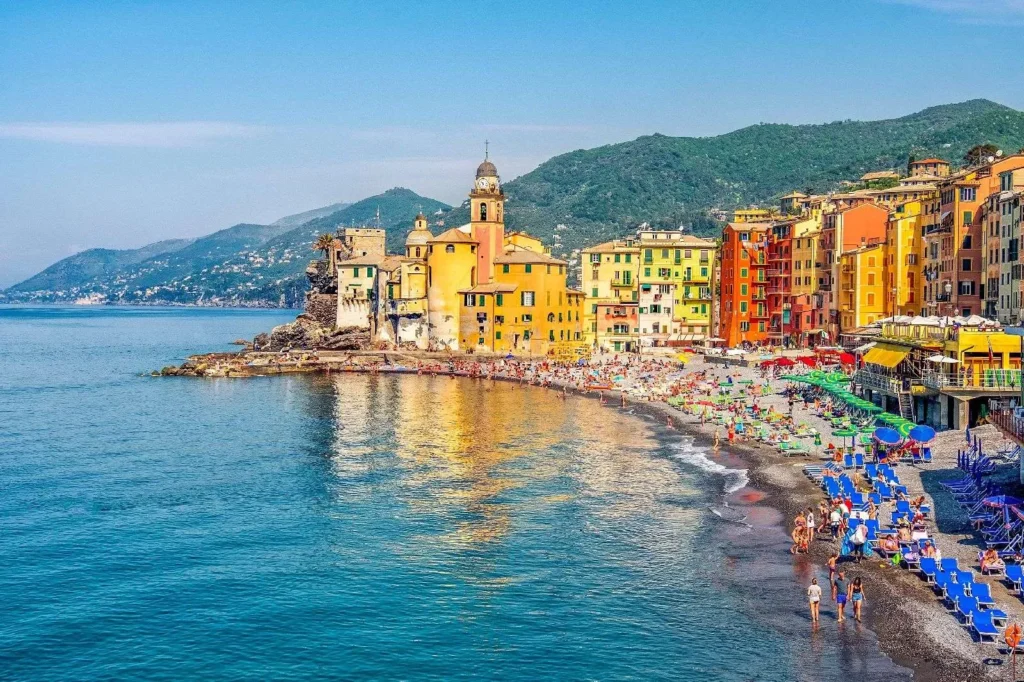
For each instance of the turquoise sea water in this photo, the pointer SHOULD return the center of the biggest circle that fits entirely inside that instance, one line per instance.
(364, 527)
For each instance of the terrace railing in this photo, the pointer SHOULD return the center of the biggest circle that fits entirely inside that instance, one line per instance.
(977, 380)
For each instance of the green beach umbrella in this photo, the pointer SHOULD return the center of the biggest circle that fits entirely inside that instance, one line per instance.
(904, 428)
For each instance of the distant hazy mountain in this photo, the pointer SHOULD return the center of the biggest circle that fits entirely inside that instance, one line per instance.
(306, 216)
(601, 193)
(245, 265)
(92, 264)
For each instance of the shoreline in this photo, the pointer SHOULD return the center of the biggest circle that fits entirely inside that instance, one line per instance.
(899, 600)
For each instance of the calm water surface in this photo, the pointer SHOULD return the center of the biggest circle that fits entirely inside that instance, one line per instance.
(358, 527)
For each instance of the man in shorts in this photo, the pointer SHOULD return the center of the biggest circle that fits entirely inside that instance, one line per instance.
(841, 589)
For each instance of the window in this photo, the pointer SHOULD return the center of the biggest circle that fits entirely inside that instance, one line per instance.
(618, 258)
(481, 301)
(965, 265)
(871, 299)
(664, 253)
(871, 280)
(743, 290)
(450, 248)
(499, 319)
(744, 326)
(648, 255)
(968, 217)
(528, 318)
(629, 257)
(529, 268)
(417, 252)
(743, 273)
(743, 306)
(526, 299)
(594, 258)
(703, 273)
(497, 336)
(593, 292)
(470, 299)
(760, 326)
(647, 272)
(551, 317)
(483, 211)
(968, 194)
(504, 269)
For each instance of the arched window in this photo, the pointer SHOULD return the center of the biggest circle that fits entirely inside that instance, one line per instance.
(417, 252)
(450, 248)
(483, 211)
(551, 317)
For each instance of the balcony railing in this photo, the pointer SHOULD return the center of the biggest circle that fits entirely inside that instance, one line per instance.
(980, 380)
(877, 382)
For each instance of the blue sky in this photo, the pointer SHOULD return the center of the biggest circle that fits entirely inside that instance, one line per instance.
(124, 123)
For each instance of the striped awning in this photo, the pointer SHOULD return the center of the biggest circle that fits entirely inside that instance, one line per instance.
(886, 355)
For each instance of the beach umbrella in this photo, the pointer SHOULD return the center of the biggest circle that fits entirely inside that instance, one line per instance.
(844, 433)
(922, 434)
(887, 436)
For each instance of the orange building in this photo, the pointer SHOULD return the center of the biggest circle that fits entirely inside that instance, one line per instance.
(845, 229)
(744, 281)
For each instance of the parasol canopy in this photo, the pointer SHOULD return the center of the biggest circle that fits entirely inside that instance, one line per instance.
(922, 434)
(887, 436)
(1002, 501)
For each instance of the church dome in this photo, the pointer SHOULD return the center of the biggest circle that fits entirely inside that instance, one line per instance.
(418, 238)
(486, 170)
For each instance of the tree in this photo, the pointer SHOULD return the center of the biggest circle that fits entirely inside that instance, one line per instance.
(324, 243)
(979, 153)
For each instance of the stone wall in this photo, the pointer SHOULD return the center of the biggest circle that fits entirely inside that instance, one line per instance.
(323, 308)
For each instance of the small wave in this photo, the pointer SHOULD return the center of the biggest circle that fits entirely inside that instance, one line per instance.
(735, 478)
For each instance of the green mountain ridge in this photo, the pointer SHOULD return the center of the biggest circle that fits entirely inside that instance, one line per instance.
(603, 193)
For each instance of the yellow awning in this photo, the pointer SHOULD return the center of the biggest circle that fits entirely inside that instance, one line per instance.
(886, 355)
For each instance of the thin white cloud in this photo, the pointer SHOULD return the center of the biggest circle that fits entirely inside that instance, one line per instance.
(176, 134)
(973, 11)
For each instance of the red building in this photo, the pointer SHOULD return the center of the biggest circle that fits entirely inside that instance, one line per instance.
(780, 271)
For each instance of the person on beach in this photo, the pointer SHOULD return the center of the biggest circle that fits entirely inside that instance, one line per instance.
(810, 524)
(814, 597)
(832, 564)
(840, 588)
(857, 596)
(718, 438)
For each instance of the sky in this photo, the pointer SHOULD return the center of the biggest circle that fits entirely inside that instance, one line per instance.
(126, 123)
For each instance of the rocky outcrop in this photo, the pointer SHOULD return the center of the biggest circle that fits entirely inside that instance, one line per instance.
(307, 333)
(323, 308)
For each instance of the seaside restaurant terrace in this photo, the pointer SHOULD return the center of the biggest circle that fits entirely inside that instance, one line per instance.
(948, 372)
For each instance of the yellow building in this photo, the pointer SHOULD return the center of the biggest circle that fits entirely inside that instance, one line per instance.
(527, 308)
(451, 268)
(675, 297)
(610, 274)
(904, 259)
(751, 215)
(806, 263)
(861, 286)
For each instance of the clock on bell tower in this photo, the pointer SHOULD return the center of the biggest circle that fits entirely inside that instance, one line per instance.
(487, 218)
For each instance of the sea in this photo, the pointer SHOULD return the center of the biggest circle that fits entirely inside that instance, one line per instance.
(358, 527)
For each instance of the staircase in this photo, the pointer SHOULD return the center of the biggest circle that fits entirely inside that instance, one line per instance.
(906, 405)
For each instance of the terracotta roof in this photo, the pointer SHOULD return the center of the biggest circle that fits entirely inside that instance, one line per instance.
(454, 235)
(879, 175)
(795, 195)
(527, 256)
(363, 260)
(930, 160)
(614, 246)
(490, 288)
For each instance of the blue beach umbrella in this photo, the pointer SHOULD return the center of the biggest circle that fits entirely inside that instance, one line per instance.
(887, 436)
(922, 434)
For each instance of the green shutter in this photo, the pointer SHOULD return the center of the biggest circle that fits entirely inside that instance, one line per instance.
(504, 268)
(529, 268)
(499, 300)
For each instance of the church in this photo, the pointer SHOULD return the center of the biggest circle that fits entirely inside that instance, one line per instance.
(469, 288)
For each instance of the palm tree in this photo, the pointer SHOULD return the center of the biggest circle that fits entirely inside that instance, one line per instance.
(324, 243)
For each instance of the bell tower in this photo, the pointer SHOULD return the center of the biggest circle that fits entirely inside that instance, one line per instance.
(487, 217)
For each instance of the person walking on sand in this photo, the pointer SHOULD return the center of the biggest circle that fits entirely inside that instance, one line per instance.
(718, 438)
(857, 597)
(814, 597)
(840, 589)
(832, 562)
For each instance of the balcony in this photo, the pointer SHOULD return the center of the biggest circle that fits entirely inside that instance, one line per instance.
(623, 283)
(1008, 380)
(878, 382)
(759, 314)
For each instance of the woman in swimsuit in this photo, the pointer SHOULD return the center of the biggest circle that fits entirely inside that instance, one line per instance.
(857, 596)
